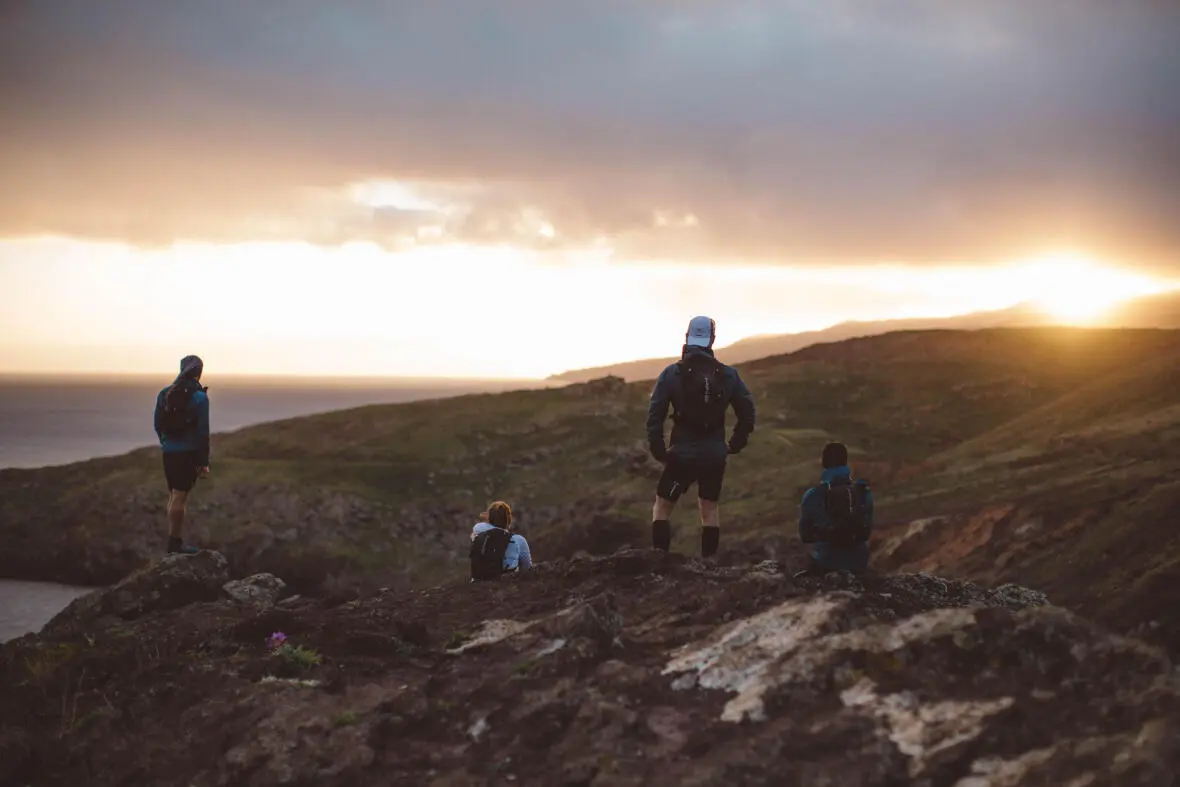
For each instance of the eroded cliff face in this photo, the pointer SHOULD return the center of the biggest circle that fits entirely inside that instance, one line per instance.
(636, 668)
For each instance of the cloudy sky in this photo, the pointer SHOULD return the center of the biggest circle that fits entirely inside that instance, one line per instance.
(514, 188)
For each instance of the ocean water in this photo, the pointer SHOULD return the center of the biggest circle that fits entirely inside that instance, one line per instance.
(58, 420)
(27, 606)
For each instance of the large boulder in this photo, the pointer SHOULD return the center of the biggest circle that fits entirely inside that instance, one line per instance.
(171, 582)
(259, 590)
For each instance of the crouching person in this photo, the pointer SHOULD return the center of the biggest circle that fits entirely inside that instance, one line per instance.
(495, 548)
(837, 517)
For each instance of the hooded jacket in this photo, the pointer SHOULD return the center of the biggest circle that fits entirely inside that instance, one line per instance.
(196, 437)
(813, 521)
(685, 437)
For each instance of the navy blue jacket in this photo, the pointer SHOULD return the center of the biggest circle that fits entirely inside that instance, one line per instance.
(196, 439)
(813, 521)
(685, 438)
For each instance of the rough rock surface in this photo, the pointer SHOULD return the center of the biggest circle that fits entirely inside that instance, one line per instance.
(171, 582)
(633, 669)
(261, 590)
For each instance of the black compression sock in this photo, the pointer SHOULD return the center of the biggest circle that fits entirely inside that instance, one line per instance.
(661, 535)
(710, 539)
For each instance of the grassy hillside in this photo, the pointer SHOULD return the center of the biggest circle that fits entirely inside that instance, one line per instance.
(944, 423)
(1079, 497)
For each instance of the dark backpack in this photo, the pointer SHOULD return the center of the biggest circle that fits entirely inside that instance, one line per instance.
(702, 402)
(844, 507)
(176, 420)
(487, 553)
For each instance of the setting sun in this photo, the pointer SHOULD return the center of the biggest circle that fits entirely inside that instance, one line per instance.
(1073, 288)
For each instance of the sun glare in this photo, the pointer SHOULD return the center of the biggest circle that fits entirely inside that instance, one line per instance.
(1076, 289)
(359, 309)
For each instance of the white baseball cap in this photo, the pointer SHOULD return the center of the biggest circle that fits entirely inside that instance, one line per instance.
(701, 332)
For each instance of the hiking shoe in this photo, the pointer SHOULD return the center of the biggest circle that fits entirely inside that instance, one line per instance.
(178, 547)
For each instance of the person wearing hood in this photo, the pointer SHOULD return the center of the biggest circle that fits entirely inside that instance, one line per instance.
(700, 390)
(182, 427)
(836, 517)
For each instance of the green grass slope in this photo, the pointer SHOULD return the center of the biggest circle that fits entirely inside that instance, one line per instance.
(946, 424)
(1079, 497)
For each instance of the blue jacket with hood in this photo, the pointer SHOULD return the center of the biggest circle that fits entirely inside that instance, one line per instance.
(196, 437)
(813, 521)
(685, 439)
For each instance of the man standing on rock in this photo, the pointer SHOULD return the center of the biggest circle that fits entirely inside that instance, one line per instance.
(182, 427)
(700, 390)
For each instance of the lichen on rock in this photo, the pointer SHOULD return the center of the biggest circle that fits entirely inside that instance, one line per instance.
(726, 675)
(259, 590)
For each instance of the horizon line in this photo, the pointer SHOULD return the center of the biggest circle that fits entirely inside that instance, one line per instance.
(269, 376)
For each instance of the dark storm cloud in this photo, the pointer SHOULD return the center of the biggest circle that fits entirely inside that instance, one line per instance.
(795, 131)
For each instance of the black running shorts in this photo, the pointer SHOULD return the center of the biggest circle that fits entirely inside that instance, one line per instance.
(181, 470)
(707, 472)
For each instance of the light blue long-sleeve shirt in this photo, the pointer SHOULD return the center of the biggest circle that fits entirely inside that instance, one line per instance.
(516, 554)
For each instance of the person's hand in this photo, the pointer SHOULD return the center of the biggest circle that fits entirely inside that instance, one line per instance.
(736, 446)
(659, 451)
(203, 472)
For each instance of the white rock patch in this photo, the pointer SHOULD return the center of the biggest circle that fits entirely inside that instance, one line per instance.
(551, 647)
(788, 645)
(997, 772)
(494, 631)
(921, 731)
(738, 656)
(477, 730)
(784, 645)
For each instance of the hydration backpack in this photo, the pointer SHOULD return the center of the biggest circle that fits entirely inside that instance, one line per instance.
(702, 388)
(487, 553)
(844, 506)
(175, 418)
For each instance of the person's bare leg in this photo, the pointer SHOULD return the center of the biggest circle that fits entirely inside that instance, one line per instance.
(177, 503)
(710, 526)
(661, 528)
(710, 513)
(662, 509)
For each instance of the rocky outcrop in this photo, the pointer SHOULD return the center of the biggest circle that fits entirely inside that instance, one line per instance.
(633, 669)
(259, 590)
(169, 583)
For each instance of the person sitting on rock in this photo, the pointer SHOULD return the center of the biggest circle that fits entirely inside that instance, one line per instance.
(837, 517)
(495, 549)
